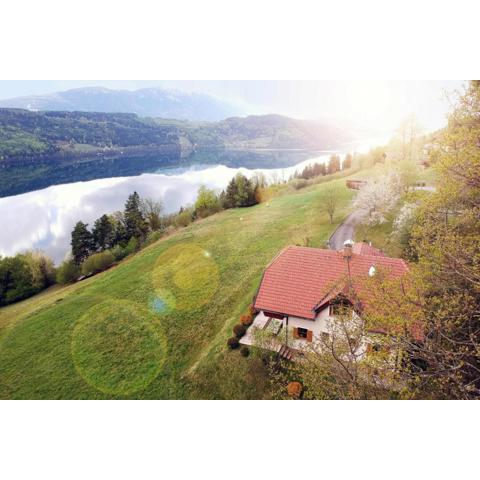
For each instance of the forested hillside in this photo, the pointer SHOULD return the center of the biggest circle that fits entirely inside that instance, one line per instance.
(265, 131)
(31, 137)
(26, 135)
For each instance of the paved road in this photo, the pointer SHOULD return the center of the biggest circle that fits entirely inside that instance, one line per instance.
(346, 230)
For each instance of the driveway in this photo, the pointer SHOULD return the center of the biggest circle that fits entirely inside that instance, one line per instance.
(346, 230)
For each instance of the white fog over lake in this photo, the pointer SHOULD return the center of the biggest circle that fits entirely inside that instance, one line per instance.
(44, 219)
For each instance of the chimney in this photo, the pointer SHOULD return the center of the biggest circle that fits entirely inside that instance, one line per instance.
(347, 249)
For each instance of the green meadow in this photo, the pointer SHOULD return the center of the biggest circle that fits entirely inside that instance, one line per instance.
(156, 325)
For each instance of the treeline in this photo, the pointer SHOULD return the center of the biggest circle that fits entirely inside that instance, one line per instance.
(333, 165)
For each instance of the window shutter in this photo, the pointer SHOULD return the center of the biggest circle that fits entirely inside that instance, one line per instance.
(295, 332)
(309, 335)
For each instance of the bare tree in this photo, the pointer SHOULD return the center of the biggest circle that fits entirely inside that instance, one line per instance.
(330, 199)
(152, 211)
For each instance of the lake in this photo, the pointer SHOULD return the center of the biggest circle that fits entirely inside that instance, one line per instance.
(43, 219)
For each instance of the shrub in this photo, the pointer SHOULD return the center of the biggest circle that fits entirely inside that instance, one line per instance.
(251, 309)
(294, 389)
(246, 319)
(118, 252)
(97, 262)
(300, 183)
(239, 330)
(244, 351)
(67, 272)
(183, 219)
(207, 202)
(132, 246)
(153, 237)
(233, 343)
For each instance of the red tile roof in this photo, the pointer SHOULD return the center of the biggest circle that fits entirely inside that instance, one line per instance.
(299, 278)
(363, 248)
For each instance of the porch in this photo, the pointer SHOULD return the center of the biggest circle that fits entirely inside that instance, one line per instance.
(276, 326)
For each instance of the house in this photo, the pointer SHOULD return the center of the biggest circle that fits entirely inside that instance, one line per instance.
(302, 288)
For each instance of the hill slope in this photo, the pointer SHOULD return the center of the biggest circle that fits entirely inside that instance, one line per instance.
(146, 102)
(156, 325)
(268, 131)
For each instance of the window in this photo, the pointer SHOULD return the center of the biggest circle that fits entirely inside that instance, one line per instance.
(302, 332)
(325, 337)
(334, 310)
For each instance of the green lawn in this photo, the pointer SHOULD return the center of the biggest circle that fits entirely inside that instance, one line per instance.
(156, 325)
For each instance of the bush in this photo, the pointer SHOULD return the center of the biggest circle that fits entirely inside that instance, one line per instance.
(300, 183)
(67, 272)
(233, 343)
(246, 319)
(97, 262)
(118, 252)
(239, 330)
(251, 309)
(244, 351)
(153, 237)
(183, 219)
(294, 389)
(132, 246)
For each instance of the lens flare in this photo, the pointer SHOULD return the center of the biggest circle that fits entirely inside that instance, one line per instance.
(185, 277)
(118, 348)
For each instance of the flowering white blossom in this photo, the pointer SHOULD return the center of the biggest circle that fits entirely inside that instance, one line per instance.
(403, 222)
(379, 197)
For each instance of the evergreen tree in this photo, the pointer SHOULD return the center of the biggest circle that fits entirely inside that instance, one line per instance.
(135, 224)
(82, 242)
(231, 194)
(103, 233)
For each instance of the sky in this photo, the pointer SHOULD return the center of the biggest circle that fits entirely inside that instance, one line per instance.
(376, 104)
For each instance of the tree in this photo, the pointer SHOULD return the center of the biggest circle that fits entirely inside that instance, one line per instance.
(329, 200)
(333, 164)
(103, 233)
(408, 174)
(15, 279)
(336, 365)
(67, 272)
(231, 193)
(119, 231)
(41, 269)
(240, 192)
(135, 224)
(347, 161)
(207, 202)
(152, 212)
(408, 136)
(82, 242)
(443, 287)
(379, 197)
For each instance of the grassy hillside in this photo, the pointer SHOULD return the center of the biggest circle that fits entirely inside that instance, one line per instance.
(156, 325)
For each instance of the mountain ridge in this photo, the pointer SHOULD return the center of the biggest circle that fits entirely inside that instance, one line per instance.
(145, 102)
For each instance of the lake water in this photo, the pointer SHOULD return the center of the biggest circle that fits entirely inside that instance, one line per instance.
(43, 219)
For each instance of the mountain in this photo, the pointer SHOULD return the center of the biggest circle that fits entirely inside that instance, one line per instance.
(146, 102)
